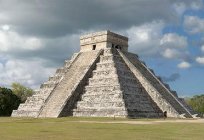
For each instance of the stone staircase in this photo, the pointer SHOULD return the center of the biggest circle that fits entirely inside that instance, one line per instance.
(68, 90)
(158, 91)
(114, 91)
(34, 103)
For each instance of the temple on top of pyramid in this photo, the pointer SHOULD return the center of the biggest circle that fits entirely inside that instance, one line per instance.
(103, 40)
(104, 80)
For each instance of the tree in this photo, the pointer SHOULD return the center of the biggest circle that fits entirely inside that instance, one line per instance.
(21, 91)
(8, 101)
(197, 103)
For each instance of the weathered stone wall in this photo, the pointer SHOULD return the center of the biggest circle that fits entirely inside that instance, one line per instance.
(102, 40)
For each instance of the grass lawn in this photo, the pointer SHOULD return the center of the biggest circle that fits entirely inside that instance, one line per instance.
(71, 128)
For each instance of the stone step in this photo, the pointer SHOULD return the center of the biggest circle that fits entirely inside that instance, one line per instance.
(24, 113)
(129, 103)
(44, 91)
(105, 113)
(118, 93)
(51, 82)
(61, 70)
(108, 65)
(59, 74)
(122, 83)
(30, 107)
(117, 113)
(34, 103)
(103, 81)
(55, 78)
(113, 78)
(107, 92)
(100, 109)
(113, 88)
(138, 109)
(35, 99)
(101, 94)
(105, 73)
(104, 104)
(101, 98)
(48, 85)
(103, 88)
(111, 58)
(111, 72)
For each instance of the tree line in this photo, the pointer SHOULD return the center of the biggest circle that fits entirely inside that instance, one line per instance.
(10, 99)
(197, 103)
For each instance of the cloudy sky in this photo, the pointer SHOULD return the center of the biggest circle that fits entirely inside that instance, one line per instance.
(36, 36)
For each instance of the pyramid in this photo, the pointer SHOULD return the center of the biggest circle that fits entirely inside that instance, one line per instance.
(104, 80)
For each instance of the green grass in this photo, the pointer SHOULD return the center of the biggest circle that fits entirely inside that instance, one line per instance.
(96, 129)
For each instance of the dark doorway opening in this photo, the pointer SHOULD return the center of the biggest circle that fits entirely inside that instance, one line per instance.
(118, 47)
(94, 47)
(113, 45)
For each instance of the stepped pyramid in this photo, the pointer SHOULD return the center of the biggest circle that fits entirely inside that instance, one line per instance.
(104, 80)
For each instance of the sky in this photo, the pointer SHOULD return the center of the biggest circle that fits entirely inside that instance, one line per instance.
(36, 36)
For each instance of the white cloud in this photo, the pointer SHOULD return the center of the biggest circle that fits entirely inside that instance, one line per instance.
(28, 73)
(200, 60)
(184, 65)
(193, 24)
(173, 40)
(10, 40)
(5, 27)
(30, 60)
(171, 53)
(147, 40)
(32, 43)
(173, 46)
(144, 39)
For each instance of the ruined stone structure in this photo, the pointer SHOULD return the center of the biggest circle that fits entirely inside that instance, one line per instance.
(104, 80)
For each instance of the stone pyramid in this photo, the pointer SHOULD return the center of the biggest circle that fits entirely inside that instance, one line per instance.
(104, 80)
